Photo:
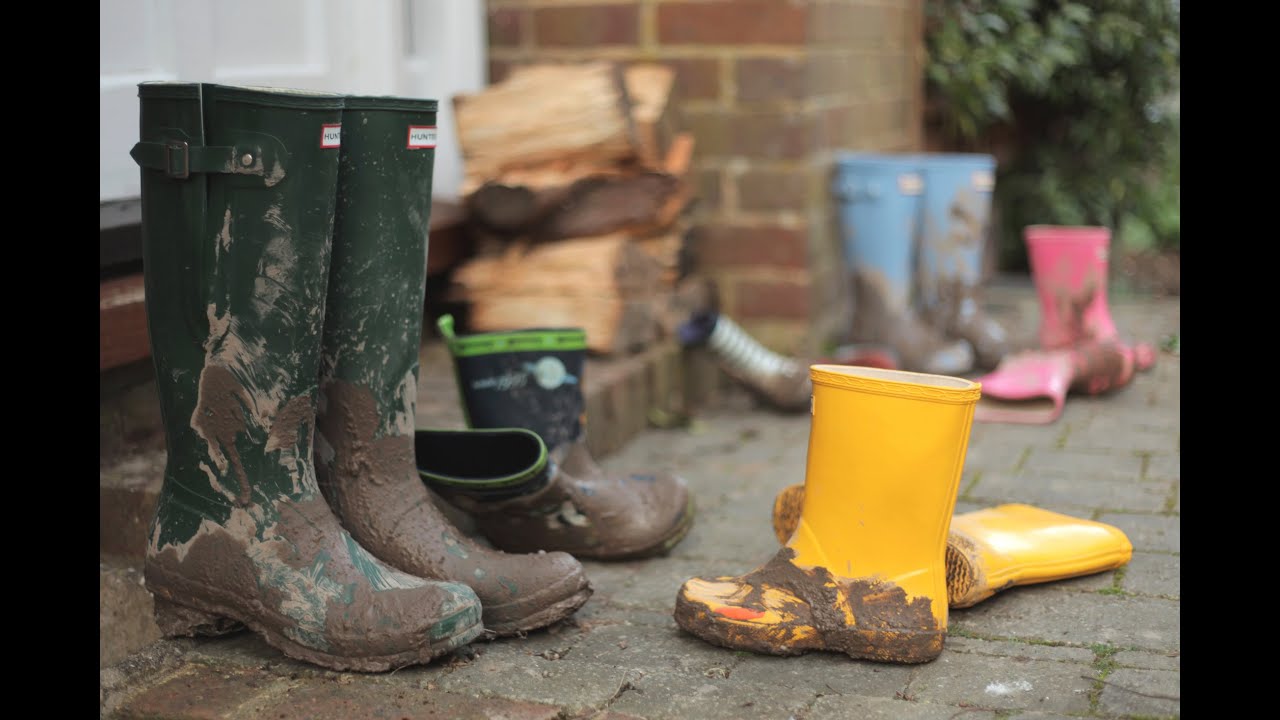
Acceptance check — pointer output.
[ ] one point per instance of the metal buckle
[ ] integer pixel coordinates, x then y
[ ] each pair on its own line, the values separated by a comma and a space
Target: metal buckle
171, 146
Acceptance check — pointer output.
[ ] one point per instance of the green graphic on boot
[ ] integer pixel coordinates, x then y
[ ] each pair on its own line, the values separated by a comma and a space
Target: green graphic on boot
502, 342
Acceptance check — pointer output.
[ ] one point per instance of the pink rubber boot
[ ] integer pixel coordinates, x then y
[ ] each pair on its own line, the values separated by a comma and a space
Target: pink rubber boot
1031, 387
1069, 266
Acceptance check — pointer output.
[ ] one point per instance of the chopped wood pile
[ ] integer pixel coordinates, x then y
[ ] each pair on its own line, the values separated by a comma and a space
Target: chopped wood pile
577, 184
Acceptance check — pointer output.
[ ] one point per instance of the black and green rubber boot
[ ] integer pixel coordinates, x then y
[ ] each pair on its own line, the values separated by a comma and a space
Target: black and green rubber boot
238, 193
365, 451
533, 379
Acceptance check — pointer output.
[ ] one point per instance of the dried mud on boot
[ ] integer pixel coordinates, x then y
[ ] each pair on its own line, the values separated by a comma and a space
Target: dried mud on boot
888, 627
310, 591
373, 484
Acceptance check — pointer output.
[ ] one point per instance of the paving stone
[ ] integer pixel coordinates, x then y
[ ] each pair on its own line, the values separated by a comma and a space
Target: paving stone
734, 530
638, 646
823, 673
1004, 683
116, 684
571, 687
854, 707
1017, 650
1148, 660
1080, 465
1153, 574
1037, 613
1164, 466
1148, 533
1106, 432
331, 700
1084, 583
993, 455
126, 613
1116, 698
659, 694
1076, 492
200, 692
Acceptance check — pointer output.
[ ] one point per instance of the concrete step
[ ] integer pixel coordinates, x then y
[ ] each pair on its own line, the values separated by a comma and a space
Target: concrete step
126, 621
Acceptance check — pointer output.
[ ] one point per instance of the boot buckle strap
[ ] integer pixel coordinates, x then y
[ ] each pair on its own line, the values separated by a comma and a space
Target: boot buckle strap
171, 148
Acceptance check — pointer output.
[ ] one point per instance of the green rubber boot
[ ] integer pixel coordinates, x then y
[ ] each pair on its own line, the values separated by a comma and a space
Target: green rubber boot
365, 454
238, 194
532, 379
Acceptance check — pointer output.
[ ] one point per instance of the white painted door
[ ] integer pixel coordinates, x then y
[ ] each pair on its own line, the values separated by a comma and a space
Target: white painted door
415, 48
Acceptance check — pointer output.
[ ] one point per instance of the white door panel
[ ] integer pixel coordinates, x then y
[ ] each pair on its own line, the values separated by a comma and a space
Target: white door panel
416, 48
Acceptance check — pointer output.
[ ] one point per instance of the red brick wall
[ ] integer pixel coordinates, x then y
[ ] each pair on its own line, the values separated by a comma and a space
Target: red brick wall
770, 88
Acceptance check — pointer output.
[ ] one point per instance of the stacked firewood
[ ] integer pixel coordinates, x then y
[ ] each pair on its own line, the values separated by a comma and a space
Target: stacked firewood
576, 182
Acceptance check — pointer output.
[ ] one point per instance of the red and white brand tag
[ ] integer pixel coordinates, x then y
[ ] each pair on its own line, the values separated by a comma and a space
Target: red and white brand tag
910, 184
422, 136
331, 136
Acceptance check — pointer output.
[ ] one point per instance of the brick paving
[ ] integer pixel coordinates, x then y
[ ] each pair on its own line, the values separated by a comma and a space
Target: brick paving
1104, 646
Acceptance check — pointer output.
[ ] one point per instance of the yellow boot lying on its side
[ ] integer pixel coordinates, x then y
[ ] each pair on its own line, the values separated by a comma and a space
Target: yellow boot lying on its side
1004, 546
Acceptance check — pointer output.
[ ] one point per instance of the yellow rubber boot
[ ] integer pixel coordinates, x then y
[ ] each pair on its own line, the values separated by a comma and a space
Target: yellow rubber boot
864, 572
1003, 546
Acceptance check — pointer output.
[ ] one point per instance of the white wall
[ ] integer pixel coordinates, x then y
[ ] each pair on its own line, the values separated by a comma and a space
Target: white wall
414, 48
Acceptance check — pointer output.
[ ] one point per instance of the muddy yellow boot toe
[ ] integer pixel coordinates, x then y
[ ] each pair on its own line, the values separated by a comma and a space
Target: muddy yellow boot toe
863, 573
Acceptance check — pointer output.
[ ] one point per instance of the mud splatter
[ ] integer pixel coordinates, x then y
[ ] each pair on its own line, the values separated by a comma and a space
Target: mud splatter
298, 583
275, 175
219, 417
815, 608
224, 237
402, 419
374, 486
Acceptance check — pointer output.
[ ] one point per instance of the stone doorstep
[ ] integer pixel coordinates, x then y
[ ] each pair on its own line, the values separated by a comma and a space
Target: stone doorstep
126, 621
619, 394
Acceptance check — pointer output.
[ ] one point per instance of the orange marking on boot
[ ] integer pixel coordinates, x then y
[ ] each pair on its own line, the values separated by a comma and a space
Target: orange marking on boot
739, 613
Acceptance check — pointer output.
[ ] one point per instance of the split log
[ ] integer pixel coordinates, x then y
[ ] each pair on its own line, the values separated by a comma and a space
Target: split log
597, 266
665, 249
649, 87
590, 206
545, 113
607, 285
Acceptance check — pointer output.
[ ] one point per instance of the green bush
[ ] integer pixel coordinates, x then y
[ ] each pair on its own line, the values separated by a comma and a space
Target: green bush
1084, 89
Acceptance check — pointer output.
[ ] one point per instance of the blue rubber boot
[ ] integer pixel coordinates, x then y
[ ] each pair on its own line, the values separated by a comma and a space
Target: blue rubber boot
880, 202
957, 212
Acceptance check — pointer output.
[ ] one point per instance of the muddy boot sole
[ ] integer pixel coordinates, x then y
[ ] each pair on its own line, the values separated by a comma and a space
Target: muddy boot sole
195, 614
906, 647
550, 606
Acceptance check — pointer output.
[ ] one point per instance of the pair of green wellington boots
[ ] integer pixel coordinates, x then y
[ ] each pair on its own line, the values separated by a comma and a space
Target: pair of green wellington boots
285, 240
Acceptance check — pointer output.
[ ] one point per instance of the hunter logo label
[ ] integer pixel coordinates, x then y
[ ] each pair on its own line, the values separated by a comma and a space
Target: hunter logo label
910, 184
422, 136
331, 136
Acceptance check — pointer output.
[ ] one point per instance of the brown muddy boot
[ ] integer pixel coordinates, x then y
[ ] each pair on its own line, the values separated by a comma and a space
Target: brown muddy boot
957, 207
880, 203
238, 192
365, 453
532, 379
